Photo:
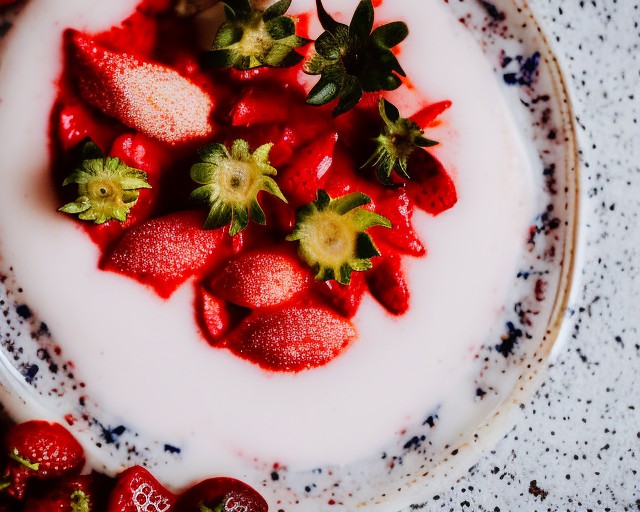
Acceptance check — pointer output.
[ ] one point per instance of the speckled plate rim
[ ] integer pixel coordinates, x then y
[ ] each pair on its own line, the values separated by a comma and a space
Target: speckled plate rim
498, 423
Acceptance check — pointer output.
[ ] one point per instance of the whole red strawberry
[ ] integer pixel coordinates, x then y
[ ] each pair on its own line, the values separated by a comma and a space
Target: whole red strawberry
221, 495
85, 493
137, 490
40, 450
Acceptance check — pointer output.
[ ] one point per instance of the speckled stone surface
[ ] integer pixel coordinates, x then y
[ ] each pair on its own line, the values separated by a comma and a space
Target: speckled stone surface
576, 445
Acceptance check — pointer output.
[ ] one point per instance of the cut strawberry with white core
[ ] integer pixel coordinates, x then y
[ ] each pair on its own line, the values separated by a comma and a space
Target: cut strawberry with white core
151, 98
292, 339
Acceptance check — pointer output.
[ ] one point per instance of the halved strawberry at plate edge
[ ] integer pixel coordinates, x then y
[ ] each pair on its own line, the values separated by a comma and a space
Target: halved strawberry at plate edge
291, 338
221, 494
40, 450
137, 490
166, 251
148, 97
431, 188
398, 208
261, 278
388, 285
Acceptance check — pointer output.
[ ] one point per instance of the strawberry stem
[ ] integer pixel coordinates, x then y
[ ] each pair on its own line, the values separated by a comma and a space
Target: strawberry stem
15, 455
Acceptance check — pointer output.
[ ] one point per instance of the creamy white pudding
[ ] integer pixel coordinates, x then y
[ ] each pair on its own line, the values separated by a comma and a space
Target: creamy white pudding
142, 358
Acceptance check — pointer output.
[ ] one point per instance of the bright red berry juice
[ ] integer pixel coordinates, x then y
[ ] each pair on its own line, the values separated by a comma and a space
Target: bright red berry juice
141, 350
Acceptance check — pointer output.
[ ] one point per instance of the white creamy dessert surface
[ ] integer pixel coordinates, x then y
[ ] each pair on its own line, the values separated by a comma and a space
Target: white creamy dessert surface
142, 358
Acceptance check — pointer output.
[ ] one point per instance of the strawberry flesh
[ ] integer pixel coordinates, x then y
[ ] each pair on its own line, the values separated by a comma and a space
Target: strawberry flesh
387, 284
149, 97
399, 210
306, 173
292, 338
431, 188
261, 278
166, 251
345, 299
213, 315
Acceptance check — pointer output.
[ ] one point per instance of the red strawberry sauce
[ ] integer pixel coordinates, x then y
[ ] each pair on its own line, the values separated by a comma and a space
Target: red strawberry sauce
254, 296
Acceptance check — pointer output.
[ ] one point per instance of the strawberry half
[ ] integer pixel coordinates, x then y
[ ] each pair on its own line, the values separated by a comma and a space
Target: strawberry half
221, 495
76, 123
431, 188
213, 315
137, 490
398, 208
166, 251
293, 338
257, 106
387, 284
40, 450
149, 97
307, 171
345, 299
261, 278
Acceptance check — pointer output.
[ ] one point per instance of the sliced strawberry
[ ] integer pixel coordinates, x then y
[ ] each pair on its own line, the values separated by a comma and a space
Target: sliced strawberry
431, 188
166, 251
137, 490
40, 450
223, 495
398, 208
76, 122
305, 124
213, 315
141, 152
84, 493
303, 177
292, 339
345, 299
282, 150
346, 177
261, 278
427, 115
387, 284
151, 98
257, 106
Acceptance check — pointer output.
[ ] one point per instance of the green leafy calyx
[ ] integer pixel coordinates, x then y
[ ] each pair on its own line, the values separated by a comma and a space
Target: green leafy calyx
398, 139
332, 235
107, 187
251, 37
15, 455
231, 181
352, 59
